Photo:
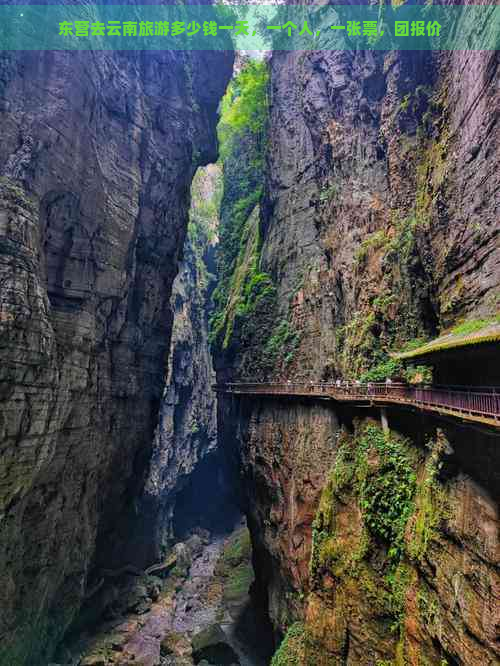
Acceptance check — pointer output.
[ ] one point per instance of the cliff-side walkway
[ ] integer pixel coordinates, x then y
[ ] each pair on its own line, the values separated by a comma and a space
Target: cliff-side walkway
481, 404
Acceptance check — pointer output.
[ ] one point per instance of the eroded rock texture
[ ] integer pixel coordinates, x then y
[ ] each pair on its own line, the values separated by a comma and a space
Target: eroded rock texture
187, 486
379, 225
97, 152
383, 199
352, 592
380, 214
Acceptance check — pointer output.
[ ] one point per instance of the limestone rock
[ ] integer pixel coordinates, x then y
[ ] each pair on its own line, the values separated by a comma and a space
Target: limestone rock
379, 224
97, 152
211, 645
176, 644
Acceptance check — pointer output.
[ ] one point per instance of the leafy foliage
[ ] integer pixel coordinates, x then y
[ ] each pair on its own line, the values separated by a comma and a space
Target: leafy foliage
411, 345
243, 287
383, 370
400, 517
386, 496
398, 580
244, 107
418, 374
291, 650
384, 488
373, 241
284, 340
248, 287
431, 503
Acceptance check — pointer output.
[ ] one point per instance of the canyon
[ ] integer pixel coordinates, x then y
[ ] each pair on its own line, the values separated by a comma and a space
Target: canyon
171, 224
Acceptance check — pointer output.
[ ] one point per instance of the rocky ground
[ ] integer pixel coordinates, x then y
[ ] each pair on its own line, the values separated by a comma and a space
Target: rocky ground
200, 613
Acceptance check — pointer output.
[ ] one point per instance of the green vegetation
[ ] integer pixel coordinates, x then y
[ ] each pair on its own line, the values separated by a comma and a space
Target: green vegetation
457, 337
415, 101
385, 320
237, 206
387, 368
292, 648
244, 109
372, 242
405, 103
431, 504
384, 492
398, 580
474, 325
399, 304
414, 344
246, 313
402, 244
400, 515
12, 190
206, 192
433, 167
204, 213
386, 496
248, 286
328, 193
418, 374
356, 344
428, 606
237, 550
244, 290
284, 340
238, 582
234, 566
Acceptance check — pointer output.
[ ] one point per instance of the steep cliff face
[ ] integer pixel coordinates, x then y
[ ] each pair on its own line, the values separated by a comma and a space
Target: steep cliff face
372, 548
380, 222
97, 152
378, 227
244, 294
185, 465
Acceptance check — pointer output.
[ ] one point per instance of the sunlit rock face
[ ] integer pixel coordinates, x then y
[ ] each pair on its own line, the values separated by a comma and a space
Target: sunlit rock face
97, 153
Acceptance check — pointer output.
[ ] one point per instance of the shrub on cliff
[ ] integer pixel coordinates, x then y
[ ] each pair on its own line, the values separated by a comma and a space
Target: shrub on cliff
243, 287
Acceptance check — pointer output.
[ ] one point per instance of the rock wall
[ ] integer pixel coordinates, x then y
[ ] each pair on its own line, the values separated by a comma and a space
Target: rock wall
97, 152
379, 220
380, 214
185, 445
363, 560
379, 226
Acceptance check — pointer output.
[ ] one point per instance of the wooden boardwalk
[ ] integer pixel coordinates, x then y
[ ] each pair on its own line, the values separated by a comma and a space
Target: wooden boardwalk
480, 404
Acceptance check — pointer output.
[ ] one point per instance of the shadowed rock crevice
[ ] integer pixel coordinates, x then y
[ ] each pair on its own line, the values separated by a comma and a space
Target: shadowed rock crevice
207, 500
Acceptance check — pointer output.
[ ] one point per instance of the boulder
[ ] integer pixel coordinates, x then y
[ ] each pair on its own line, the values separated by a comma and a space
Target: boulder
211, 645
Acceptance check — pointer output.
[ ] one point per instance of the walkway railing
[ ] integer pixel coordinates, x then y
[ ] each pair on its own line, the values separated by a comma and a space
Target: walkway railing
475, 404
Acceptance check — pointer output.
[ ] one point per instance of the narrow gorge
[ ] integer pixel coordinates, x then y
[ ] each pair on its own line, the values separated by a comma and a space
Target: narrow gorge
249, 342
